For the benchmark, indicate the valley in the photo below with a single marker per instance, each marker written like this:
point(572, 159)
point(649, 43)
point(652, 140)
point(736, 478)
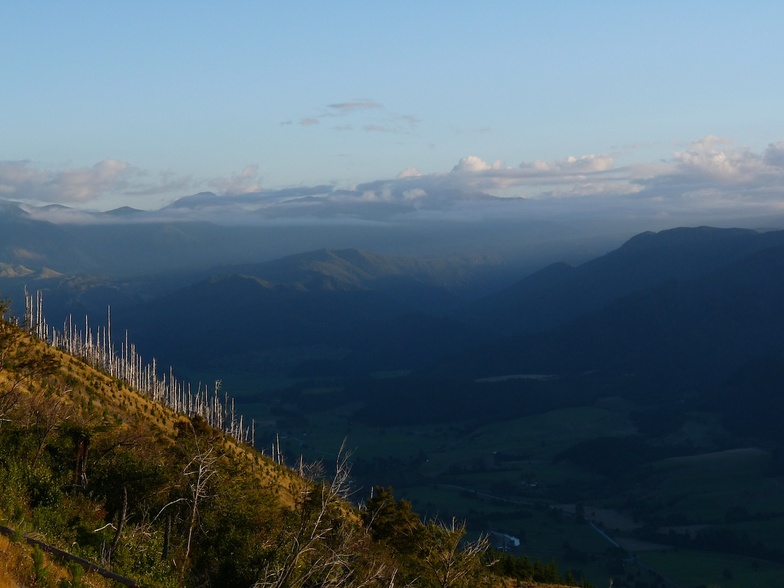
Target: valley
point(616, 415)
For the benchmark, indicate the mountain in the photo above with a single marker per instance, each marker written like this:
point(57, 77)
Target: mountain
point(673, 331)
point(673, 306)
point(560, 292)
point(750, 400)
point(433, 283)
point(39, 244)
point(202, 231)
point(332, 305)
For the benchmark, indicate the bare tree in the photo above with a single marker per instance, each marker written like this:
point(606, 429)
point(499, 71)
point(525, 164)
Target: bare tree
point(320, 545)
point(447, 562)
point(200, 469)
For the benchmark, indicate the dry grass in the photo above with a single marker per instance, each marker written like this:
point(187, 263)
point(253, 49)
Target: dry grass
point(107, 394)
point(16, 567)
point(15, 563)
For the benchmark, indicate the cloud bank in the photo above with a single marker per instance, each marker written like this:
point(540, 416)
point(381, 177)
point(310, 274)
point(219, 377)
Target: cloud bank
point(710, 176)
point(20, 180)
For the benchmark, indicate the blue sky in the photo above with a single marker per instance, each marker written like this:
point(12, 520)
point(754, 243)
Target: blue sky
point(138, 103)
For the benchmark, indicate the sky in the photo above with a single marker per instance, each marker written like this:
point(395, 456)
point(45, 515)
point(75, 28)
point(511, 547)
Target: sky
point(108, 104)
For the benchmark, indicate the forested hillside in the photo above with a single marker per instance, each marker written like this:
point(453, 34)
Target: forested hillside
point(101, 471)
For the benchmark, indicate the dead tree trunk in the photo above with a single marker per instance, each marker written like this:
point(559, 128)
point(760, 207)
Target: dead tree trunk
point(82, 442)
point(120, 522)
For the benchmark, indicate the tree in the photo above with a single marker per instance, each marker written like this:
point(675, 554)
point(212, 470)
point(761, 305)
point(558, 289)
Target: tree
point(322, 542)
point(448, 564)
point(200, 469)
point(392, 521)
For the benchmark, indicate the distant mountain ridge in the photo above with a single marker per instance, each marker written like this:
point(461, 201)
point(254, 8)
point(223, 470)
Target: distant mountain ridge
point(560, 292)
point(341, 299)
point(692, 326)
point(653, 304)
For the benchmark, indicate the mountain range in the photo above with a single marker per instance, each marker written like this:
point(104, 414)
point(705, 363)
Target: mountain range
point(676, 309)
point(685, 306)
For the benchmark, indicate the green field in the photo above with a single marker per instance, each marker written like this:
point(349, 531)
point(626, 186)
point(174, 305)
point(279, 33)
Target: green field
point(507, 476)
point(698, 568)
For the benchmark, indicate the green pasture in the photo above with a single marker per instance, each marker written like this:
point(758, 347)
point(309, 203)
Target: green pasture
point(770, 531)
point(704, 486)
point(689, 568)
point(698, 430)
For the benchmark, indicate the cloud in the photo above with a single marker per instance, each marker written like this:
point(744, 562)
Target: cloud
point(349, 107)
point(19, 179)
point(703, 161)
point(714, 171)
point(586, 163)
point(774, 155)
point(378, 118)
point(731, 169)
point(168, 183)
point(409, 119)
point(530, 178)
point(473, 164)
point(245, 182)
point(712, 175)
point(409, 172)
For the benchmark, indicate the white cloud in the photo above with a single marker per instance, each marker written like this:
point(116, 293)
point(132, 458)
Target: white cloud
point(712, 173)
point(409, 172)
point(473, 164)
point(586, 163)
point(530, 178)
point(245, 182)
point(19, 179)
point(703, 161)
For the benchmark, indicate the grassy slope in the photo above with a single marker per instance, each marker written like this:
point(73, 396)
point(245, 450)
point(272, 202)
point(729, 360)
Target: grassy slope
point(75, 394)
